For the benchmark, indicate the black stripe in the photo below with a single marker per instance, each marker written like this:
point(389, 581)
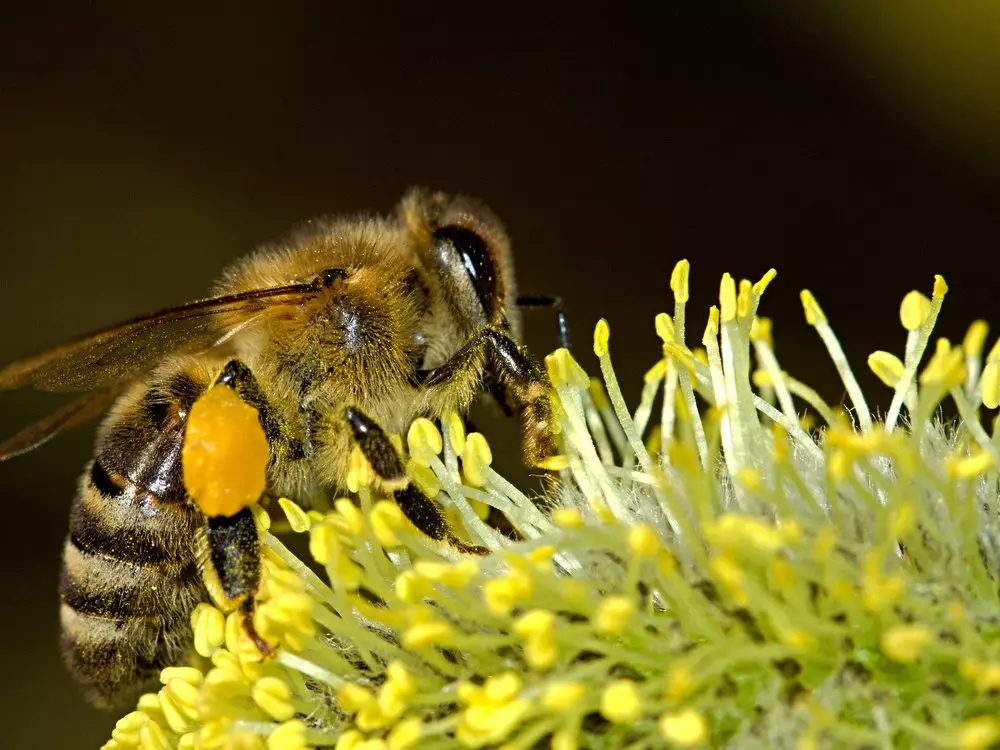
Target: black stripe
point(103, 482)
point(134, 544)
point(139, 596)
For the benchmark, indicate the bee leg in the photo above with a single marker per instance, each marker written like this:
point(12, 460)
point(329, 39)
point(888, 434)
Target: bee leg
point(233, 566)
point(526, 385)
point(241, 379)
point(423, 512)
point(519, 379)
point(553, 303)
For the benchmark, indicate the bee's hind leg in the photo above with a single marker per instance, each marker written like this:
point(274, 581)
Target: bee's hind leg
point(232, 567)
point(423, 512)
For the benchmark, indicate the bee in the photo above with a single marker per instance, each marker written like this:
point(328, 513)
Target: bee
point(339, 335)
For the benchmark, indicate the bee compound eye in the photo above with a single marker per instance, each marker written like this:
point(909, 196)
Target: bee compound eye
point(477, 261)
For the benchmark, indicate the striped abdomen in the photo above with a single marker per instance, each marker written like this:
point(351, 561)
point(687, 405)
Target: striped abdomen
point(130, 578)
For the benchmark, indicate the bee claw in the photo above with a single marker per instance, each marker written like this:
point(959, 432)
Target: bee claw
point(267, 651)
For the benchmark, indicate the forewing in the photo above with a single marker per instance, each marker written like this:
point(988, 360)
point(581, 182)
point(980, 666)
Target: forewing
point(73, 414)
point(120, 353)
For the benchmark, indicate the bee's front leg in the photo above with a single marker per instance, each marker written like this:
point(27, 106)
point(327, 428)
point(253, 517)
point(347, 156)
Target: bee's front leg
point(516, 377)
point(238, 376)
point(423, 512)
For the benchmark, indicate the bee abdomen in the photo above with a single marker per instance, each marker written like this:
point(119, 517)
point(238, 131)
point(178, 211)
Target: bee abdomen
point(117, 519)
point(130, 577)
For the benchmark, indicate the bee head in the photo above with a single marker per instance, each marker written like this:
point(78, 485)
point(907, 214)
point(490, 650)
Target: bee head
point(468, 251)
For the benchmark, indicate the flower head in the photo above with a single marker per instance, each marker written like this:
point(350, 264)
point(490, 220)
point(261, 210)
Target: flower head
point(712, 570)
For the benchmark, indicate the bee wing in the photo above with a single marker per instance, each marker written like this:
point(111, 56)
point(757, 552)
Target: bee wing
point(75, 413)
point(120, 353)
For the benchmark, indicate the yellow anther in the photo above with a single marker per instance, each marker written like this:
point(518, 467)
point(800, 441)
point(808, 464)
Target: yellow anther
point(979, 733)
point(225, 453)
point(349, 740)
point(969, 467)
point(643, 541)
point(502, 594)
point(712, 326)
point(178, 704)
point(298, 519)
point(946, 368)
point(152, 737)
point(727, 298)
point(405, 734)
point(453, 575)
point(261, 518)
point(502, 687)
point(914, 309)
point(567, 518)
point(814, 313)
point(730, 574)
point(797, 639)
point(902, 519)
point(386, 519)
point(324, 543)
point(749, 478)
point(761, 379)
point(602, 334)
point(359, 471)
point(455, 427)
point(567, 738)
point(429, 633)
point(685, 728)
point(905, 643)
point(679, 280)
point(681, 355)
point(424, 478)
point(350, 516)
point(274, 697)
point(559, 462)
point(621, 702)
point(975, 338)
point(562, 697)
point(765, 281)
point(994, 355)
point(562, 368)
point(476, 458)
point(411, 588)
point(424, 441)
point(656, 372)
point(209, 627)
point(353, 697)
point(613, 615)
point(537, 622)
point(190, 675)
point(735, 531)
point(744, 298)
point(541, 556)
point(940, 287)
point(887, 367)
point(291, 735)
point(680, 683)
point(760, 330)
point(665, 327)
point(990, 385)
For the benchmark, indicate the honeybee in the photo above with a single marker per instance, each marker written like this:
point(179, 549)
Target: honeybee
point(342, 333)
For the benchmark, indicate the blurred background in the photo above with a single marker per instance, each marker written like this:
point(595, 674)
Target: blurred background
point(856, 149)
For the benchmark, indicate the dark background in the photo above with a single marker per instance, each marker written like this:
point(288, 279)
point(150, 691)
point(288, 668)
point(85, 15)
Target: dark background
point(141, 151)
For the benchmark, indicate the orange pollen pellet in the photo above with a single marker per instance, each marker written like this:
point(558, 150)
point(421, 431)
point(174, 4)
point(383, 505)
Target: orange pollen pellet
point(225, 453)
